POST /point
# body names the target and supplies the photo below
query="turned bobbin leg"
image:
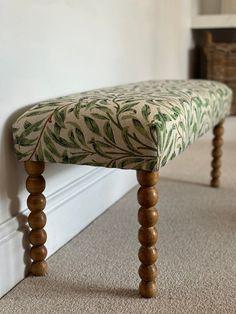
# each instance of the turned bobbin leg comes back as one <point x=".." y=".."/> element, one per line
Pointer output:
<point x="147" y="216"/>
<point x="217" y="153"/>
<point x="36" y="202"/>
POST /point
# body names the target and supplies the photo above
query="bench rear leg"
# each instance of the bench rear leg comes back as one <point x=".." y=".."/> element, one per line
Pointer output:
<point x="36" y="202"/>
<point x="147" y="216"/>
<point x="217" y="142"/>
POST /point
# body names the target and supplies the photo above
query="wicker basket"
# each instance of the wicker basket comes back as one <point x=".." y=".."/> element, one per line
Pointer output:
<point x="221" y="63"/>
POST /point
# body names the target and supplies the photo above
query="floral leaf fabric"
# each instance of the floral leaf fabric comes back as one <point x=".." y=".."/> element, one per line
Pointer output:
<point x="134" y="126"/>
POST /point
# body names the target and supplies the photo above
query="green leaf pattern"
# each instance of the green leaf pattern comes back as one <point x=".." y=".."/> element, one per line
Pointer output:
<point x="133" y="126"/>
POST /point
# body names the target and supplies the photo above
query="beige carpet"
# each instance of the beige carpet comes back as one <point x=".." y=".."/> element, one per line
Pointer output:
<point x="96" y="272"/>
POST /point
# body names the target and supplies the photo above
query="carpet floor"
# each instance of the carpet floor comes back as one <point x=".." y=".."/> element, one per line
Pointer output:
<point x="96" y="272"/>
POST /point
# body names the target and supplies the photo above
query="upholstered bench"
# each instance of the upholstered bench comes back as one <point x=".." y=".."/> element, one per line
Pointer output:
<point x="137" y="126"/>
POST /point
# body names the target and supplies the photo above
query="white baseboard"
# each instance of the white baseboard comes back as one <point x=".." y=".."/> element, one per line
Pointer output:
<point x="69" y="210"/>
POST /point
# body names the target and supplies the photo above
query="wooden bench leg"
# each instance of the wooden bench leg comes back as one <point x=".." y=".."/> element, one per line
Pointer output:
<point x="217" y="142"/>
<point x="36" y="202"/>
<point x="147" y="216"/>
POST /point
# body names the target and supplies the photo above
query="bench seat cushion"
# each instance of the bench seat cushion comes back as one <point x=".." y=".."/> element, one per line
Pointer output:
<point x="133" y="126"/>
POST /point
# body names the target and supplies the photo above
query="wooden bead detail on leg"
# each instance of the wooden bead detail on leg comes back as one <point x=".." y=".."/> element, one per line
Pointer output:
<point x="217" y="142"/>
<point x="147" y="217"/>
<point x="36" y="202"/>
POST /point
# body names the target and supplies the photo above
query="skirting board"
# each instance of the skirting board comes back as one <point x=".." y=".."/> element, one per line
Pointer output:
<point x="69" y="210"/>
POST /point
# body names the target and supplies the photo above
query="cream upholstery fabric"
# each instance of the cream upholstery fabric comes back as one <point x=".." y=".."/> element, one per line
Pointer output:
<point x="134" y="126"/>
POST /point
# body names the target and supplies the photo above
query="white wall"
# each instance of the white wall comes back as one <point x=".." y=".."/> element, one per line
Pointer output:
<point x="172" y="39"/>
<point x="210" y="6"/>
<point x="56" y="47"/>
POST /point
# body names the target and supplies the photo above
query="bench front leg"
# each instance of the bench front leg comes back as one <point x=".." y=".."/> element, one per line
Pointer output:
<point x="217" y="143"/>
<point x="147" y="216"/>
<point x="36" y="202"/>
